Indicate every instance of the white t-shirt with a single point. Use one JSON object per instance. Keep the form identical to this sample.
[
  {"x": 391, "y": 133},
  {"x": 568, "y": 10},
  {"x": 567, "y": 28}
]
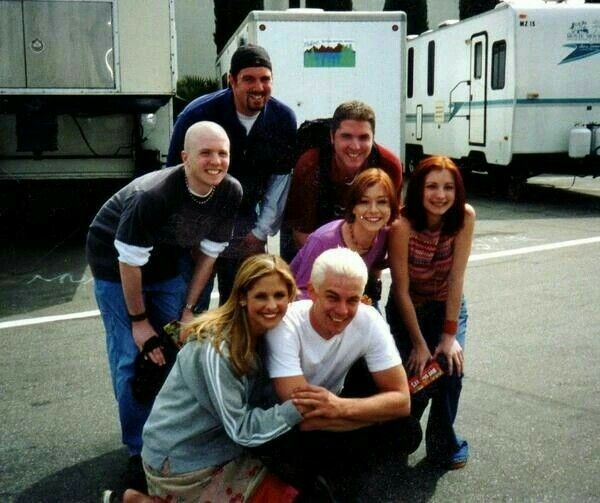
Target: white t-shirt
[{"x": 295, "y": 348}]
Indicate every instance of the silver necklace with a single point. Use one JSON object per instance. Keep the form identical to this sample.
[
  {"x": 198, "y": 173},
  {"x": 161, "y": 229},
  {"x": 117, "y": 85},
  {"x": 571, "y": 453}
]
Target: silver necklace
[
  {"x": 348, "y": 183},
  {"x": 199, "y": 199}
]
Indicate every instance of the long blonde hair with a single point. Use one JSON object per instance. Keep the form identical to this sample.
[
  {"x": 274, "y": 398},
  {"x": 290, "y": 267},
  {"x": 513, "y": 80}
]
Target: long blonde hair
[{"x": 229, "y": 322}]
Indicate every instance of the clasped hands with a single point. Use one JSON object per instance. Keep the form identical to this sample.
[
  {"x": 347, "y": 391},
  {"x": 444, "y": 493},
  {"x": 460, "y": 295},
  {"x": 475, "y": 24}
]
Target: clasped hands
[{"x": 320, "y": 408}]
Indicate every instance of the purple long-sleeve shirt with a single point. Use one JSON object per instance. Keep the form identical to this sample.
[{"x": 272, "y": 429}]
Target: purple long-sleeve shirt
[{"x": 330, "y": 236}]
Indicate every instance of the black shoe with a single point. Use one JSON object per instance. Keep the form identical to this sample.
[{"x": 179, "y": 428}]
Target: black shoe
[
  {"x": 134, "y": 476},
  {"x": 318, "y": 492},
  {"x": 412, "y": 434}
]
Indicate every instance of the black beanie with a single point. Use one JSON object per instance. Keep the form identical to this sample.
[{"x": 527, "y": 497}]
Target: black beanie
[{"x": 247, "y": 56}]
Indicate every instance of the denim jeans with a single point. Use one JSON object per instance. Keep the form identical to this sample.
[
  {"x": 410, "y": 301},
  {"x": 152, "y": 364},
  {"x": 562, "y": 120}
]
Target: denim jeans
[
  {"x": 441, "y": 441},
  {"x": 164, "y": 301},
  {"x": 287, "y": 246},
  {"x": 225, "y": 270}
]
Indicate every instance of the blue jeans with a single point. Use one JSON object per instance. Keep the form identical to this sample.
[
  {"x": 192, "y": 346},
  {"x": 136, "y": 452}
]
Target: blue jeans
[
  {"x": 164, "y": 301},
  {"x": 287, "y": 246},
  {"x": 225, "y": 271},
  {"x": 442, "y": 443}
]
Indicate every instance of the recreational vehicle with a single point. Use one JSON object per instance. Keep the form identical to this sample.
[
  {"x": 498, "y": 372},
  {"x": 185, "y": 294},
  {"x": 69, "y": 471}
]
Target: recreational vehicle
[
  {"x": 85, "y": 87},
  {"x": 321, "y": 59},
  {"x": 514, "y": 91}
]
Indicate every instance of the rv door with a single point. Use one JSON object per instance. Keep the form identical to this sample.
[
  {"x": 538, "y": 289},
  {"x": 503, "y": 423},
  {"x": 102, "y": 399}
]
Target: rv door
[{"x": 478, "y": 89}]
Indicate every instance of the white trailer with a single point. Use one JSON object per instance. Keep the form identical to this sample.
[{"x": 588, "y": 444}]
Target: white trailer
[
  {"x": 514, "y": 91},
  {"x": 321, "y": 59},
  {"x": 85, "y": 88}
]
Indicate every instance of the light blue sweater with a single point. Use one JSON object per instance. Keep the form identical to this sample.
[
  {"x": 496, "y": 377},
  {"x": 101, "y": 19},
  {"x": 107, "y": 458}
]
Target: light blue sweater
[{"x": 202, "y": 417}]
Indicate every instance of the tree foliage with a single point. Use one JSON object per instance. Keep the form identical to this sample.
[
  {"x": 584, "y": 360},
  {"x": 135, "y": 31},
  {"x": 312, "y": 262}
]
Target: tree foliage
[
  {"x": 329, "y": 4},
  {"x": 190, "y": 87},
  {"x": 228, "y": 16},
  {"x": 468, "y": 8},
  {"x": 416, "y": 14}
]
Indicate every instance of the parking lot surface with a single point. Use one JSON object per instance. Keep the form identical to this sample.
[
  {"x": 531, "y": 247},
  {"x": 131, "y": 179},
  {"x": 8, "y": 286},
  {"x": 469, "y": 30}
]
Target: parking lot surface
[{"x": 530, "y": 407}]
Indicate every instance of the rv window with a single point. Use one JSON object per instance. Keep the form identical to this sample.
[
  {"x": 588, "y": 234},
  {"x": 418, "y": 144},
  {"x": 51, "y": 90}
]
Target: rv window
[
  {"x": 430, "y": 67},
  {"x": 410, "y": 72},
  {"x": 477, "y": 64},
  {"x": 498, "y": 64}
]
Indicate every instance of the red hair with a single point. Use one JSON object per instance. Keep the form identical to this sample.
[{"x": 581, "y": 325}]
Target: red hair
[
  {"x": 414, "y": 210},
  {"x": 365, "y": 180}
]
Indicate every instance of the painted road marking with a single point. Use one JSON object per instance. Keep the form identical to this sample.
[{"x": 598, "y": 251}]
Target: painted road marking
[
  {"x": 533, "y": 249},
  {"x": 473, "y": 258},
  {"x": 48, "y": 319}
]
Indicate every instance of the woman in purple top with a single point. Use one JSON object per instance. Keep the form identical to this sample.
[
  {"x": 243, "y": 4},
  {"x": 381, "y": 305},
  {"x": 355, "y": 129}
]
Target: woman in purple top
[{"x": 370, "y": 207}]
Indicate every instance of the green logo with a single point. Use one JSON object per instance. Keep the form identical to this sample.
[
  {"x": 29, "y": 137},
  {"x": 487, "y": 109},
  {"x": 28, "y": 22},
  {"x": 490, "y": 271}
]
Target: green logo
[{"x": 325, "y": 56}]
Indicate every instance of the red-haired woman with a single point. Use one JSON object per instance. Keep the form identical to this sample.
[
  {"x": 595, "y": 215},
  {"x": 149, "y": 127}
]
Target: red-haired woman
[
  {"x": 370, "y": 207},
  {"x": 429, "y": 246}
]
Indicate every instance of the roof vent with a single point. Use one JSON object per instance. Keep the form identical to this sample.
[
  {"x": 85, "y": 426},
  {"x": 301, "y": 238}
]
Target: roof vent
[
  {"x": 303, "y": 10},
  {"x": 447, "y": 22}
]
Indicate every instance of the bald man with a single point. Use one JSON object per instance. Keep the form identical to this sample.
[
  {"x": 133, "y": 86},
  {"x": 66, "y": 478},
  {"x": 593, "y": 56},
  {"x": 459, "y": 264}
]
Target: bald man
[{"x": 136, "y": 246}]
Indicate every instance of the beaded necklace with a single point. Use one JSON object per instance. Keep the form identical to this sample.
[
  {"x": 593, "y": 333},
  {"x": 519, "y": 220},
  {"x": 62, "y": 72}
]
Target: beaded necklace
[
  {"x": 199, "y": 199},
  {"x": 361, "y": 250}
]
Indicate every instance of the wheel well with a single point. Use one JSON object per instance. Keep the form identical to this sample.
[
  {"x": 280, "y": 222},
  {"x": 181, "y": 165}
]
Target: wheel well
[{"x": 414, "y": 153}]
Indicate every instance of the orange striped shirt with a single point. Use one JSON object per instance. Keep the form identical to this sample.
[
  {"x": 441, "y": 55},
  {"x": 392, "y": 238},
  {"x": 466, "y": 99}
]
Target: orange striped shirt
[{"x": 430, "y": 255}]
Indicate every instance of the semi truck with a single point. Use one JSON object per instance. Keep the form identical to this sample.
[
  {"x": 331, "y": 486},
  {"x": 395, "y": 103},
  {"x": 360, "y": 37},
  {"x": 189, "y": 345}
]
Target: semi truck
[{"x": 86, "y": 87}]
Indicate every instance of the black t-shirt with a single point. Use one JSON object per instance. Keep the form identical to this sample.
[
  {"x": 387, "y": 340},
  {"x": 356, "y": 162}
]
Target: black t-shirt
[{"x": 156, "y": 210}]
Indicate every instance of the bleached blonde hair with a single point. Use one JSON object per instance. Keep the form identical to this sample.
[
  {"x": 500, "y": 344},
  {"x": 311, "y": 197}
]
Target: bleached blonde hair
[{"x": 340, "y": 262}]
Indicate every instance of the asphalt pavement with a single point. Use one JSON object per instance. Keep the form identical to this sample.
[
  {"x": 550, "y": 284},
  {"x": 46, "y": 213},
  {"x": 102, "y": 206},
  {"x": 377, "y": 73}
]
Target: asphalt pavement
[{"x": 530, "y": 407}]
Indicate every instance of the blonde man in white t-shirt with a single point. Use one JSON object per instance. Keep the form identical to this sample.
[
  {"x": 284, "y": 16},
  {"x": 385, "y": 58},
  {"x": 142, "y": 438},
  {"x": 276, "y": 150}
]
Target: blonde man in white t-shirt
[{"x": 309, "y": 355}]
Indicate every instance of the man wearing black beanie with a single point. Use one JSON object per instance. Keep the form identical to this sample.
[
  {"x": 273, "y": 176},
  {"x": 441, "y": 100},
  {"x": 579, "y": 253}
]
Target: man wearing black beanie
[{"x": 262, "y": 131}]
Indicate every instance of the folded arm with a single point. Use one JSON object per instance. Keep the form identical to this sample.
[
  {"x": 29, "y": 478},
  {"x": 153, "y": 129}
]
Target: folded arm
[{"x": 324, "y": 410}]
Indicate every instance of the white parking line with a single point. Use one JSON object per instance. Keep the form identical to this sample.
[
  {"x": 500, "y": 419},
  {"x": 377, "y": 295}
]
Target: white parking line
[
  {"x": 533, "y": 249},
  {"x": 48, "y": 319},
  {"x": 473, "y": 258}
]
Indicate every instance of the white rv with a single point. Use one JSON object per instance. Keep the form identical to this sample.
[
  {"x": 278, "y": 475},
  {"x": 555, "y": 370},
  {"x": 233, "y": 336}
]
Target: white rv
[
  {"x": 85, "y": 87},
  {"x": 514, "y": 91},
  {"x": 321, "y": 59}
]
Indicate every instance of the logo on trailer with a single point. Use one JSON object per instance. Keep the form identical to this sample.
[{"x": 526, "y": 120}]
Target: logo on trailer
[
  {"x": 584, "y": 40},
  {"x": 329, "y": 53}
]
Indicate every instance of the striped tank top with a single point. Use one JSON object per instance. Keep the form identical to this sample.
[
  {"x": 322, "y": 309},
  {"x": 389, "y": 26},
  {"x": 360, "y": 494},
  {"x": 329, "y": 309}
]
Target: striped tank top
[{"x": 430, "y": 256}]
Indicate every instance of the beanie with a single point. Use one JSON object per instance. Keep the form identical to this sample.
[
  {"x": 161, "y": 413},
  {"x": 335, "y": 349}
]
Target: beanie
[{"x": 247, "y": 56}]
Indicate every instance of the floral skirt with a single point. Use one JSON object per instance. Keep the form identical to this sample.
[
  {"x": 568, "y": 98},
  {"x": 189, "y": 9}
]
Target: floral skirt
[{"x": 234, "y": 482}]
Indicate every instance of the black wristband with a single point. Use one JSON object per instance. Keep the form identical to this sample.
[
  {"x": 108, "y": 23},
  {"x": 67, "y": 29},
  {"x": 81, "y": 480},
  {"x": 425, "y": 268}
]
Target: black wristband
[{"x": 138, "y": 317}]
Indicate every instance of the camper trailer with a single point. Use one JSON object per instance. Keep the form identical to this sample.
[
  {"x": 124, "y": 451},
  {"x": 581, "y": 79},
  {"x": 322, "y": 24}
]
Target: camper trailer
[
  {"x": 321, "y": 59},
  {"x": 85, "y": 87},
  {"x": 513, "y": 91}
]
